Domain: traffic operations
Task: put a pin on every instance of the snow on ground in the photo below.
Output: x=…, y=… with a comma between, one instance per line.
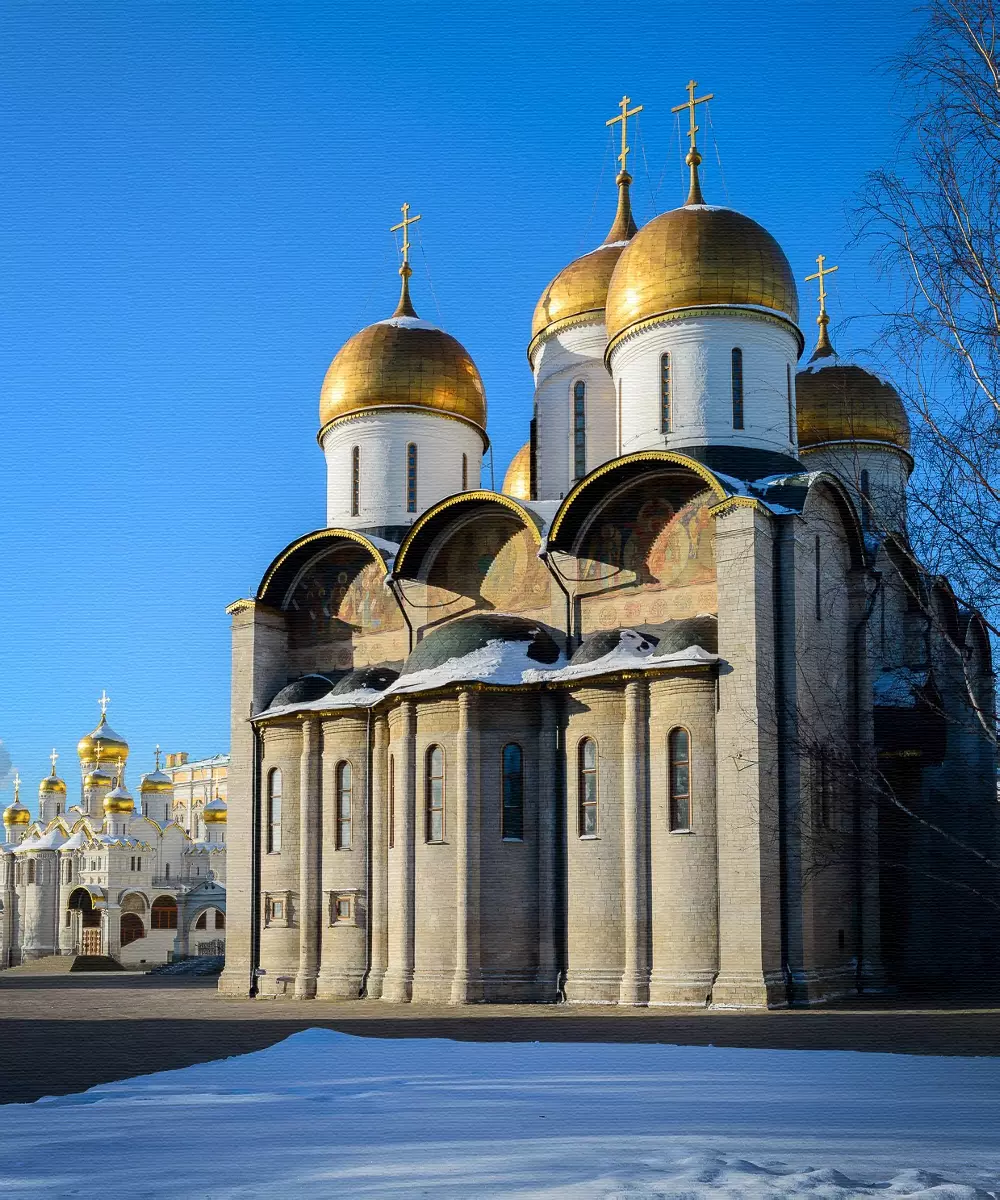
x=325, y=1114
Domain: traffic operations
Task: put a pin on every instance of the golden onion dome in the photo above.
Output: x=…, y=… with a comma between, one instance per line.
x=580, y=290
x=118, y=800
x=517, y=481
x=155, y=782
x=52, y=785
x=403, y=362
x=113, y=747
x=97, y=779
x=16, y=814
x=215, y=812
x=838, y=401
x=694, y=257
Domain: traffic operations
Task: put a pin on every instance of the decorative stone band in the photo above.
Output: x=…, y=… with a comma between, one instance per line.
x=874, y=443
x=765, y=315
x=594, y=316
x=359, y=414
x=734, y=502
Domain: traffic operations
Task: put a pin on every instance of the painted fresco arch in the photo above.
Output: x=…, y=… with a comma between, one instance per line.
x=294, y=561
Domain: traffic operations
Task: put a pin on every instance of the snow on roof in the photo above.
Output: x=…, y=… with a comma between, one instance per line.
x=898, y=687
x=52, y=840
x=625, y=657
x=829, y=361
x=408, y=323
x=82, y=837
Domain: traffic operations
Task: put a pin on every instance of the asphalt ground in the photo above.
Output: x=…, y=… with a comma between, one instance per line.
x=63, y=1033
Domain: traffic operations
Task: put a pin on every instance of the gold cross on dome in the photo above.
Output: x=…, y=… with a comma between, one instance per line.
x=97, y=754
x=623, y=116
x=104, y=701
x=17, y=785
x=821, y=275
x=52, y=759
x=405, y=224
x=690, y=104
x=157, y=757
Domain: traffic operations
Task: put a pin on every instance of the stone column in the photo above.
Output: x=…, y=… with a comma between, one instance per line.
x=546, y=802
x=310, y=837
x=634, y=988
x=379, y=902
x=467, y=984
x=398, y=984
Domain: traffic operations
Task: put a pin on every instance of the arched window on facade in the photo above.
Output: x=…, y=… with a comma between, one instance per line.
x=587, y=787
x=31, y=871
x=737, y=388
x=274, y=812
x=579, y=429
x=411, y=477
x=512, y=814
x=434, y=794
x=818, y=580
x=679, y=779
x=865, y=490
x=355, y=481
x=131, y=928
x=164, y=913
x=465, y=472
x=345, y=785
x=664, y=393
x=392, y=801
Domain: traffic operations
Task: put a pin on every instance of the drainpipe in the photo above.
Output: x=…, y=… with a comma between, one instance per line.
x=551, y=568
x=255, y=859
x=369, y=793
x=859, y=629
x=396, y=591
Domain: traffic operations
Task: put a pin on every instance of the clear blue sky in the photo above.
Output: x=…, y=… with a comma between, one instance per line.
x=195, y=205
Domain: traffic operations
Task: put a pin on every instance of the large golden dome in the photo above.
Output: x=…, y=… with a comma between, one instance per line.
x=696, y=256
x=580, y=290
x=113, y=747
x=517, y=481
x=839, y=401
x=403, y=363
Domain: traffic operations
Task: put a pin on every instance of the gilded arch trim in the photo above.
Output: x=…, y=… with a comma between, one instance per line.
x=479, y=495
x=320, y=535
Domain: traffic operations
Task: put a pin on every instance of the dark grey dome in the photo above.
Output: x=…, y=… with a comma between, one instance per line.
x=375, y=678
x=599, y=644
x=674, y=636
x=472, y=633
x=299, y=691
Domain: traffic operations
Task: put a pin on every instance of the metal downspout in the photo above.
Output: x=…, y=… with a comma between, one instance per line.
x=551, y=568
x=255, y=860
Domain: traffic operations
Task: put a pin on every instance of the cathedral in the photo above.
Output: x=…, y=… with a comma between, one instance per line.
x=675, y=718
x=102, y=880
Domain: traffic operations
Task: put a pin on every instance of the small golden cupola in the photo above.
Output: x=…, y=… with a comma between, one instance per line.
x=156, y=782
x=854, y=424
x=517, y=481
x=402, y=416
x=16, y=815
x=51, y=784
x=119, y=802
x=113, y=746
x=215, y=812
x=703, y=302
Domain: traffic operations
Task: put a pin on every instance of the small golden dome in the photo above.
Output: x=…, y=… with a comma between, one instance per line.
x=839, y=401
x=580, y=290
x=517, y=481
x=215, y=812
x=16, y=814
x=52, y=785
x=698, y=256
x=113, y=747
x=118, y=801
x=154, y=782
x=97, y=779
x=403, y=362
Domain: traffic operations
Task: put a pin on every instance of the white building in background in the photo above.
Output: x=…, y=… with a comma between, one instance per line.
x=103, y=877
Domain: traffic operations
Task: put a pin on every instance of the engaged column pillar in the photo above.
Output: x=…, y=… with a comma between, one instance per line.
x=467, y=984
x=309, y=851
x=378, y=904
x=398, y=984
x=634, y=988
x=546, y=802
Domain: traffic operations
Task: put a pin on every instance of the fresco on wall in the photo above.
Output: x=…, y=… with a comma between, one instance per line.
x=341, y=595
x=494, y=562
x=649, y=558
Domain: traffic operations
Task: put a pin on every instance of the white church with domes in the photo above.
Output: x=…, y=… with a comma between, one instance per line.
x=674, y=718
x=103, y=880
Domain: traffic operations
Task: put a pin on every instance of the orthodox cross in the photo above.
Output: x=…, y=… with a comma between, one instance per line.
x=821, y=275
x=690, y=104
x=52, y=759
x=104, y=701
x=17, y=786
x=119, y=778
x=97, y=754
x=157, y=757
x=405, y=224
x=626, y=112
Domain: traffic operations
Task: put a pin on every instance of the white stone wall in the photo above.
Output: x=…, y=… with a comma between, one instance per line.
x=382, y=436
x=572, y=354
x=888, y=472
x=700, y=352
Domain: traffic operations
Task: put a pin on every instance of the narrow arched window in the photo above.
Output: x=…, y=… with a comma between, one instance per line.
x=587, y=787
x=865, y=500
x=579, y=429
x=737, y=388
x=434, y=794
x=411, y=477
x=819, y=570
x=465, y=472
x=31, y=870
x=392, y=801
x=679, y=779
x=274, y=812
x=512, y=816
x=664, y=393
x=345, y=784
x=791, y=405
x=355, y=481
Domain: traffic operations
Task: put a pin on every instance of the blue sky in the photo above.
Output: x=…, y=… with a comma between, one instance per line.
x=195, y=209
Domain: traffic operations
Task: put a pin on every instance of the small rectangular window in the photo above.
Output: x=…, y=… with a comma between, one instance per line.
x=465, y=472
x=679, y=781
x=274, y=784
x=865, y=500
x=664, y=393
x=355, y=481
x=411, y=478
x=344, y=790
x=579, y=429
x=343, y=910
x=737, y=388
x=392, y=802
x=818, y=580
x=512, y=814
x=435, y=794
x=277, y=909
x=587, y=791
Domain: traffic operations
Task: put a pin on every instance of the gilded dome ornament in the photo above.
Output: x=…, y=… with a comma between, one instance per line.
x=114, y=746
x=52, y=785
x=579, y=292
x=403, y=362
x=693, y=158
x=16, y=814
x=216, y=811
x=157, y=781
x=119, y=802
x=517, y=481
x=840, y=401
